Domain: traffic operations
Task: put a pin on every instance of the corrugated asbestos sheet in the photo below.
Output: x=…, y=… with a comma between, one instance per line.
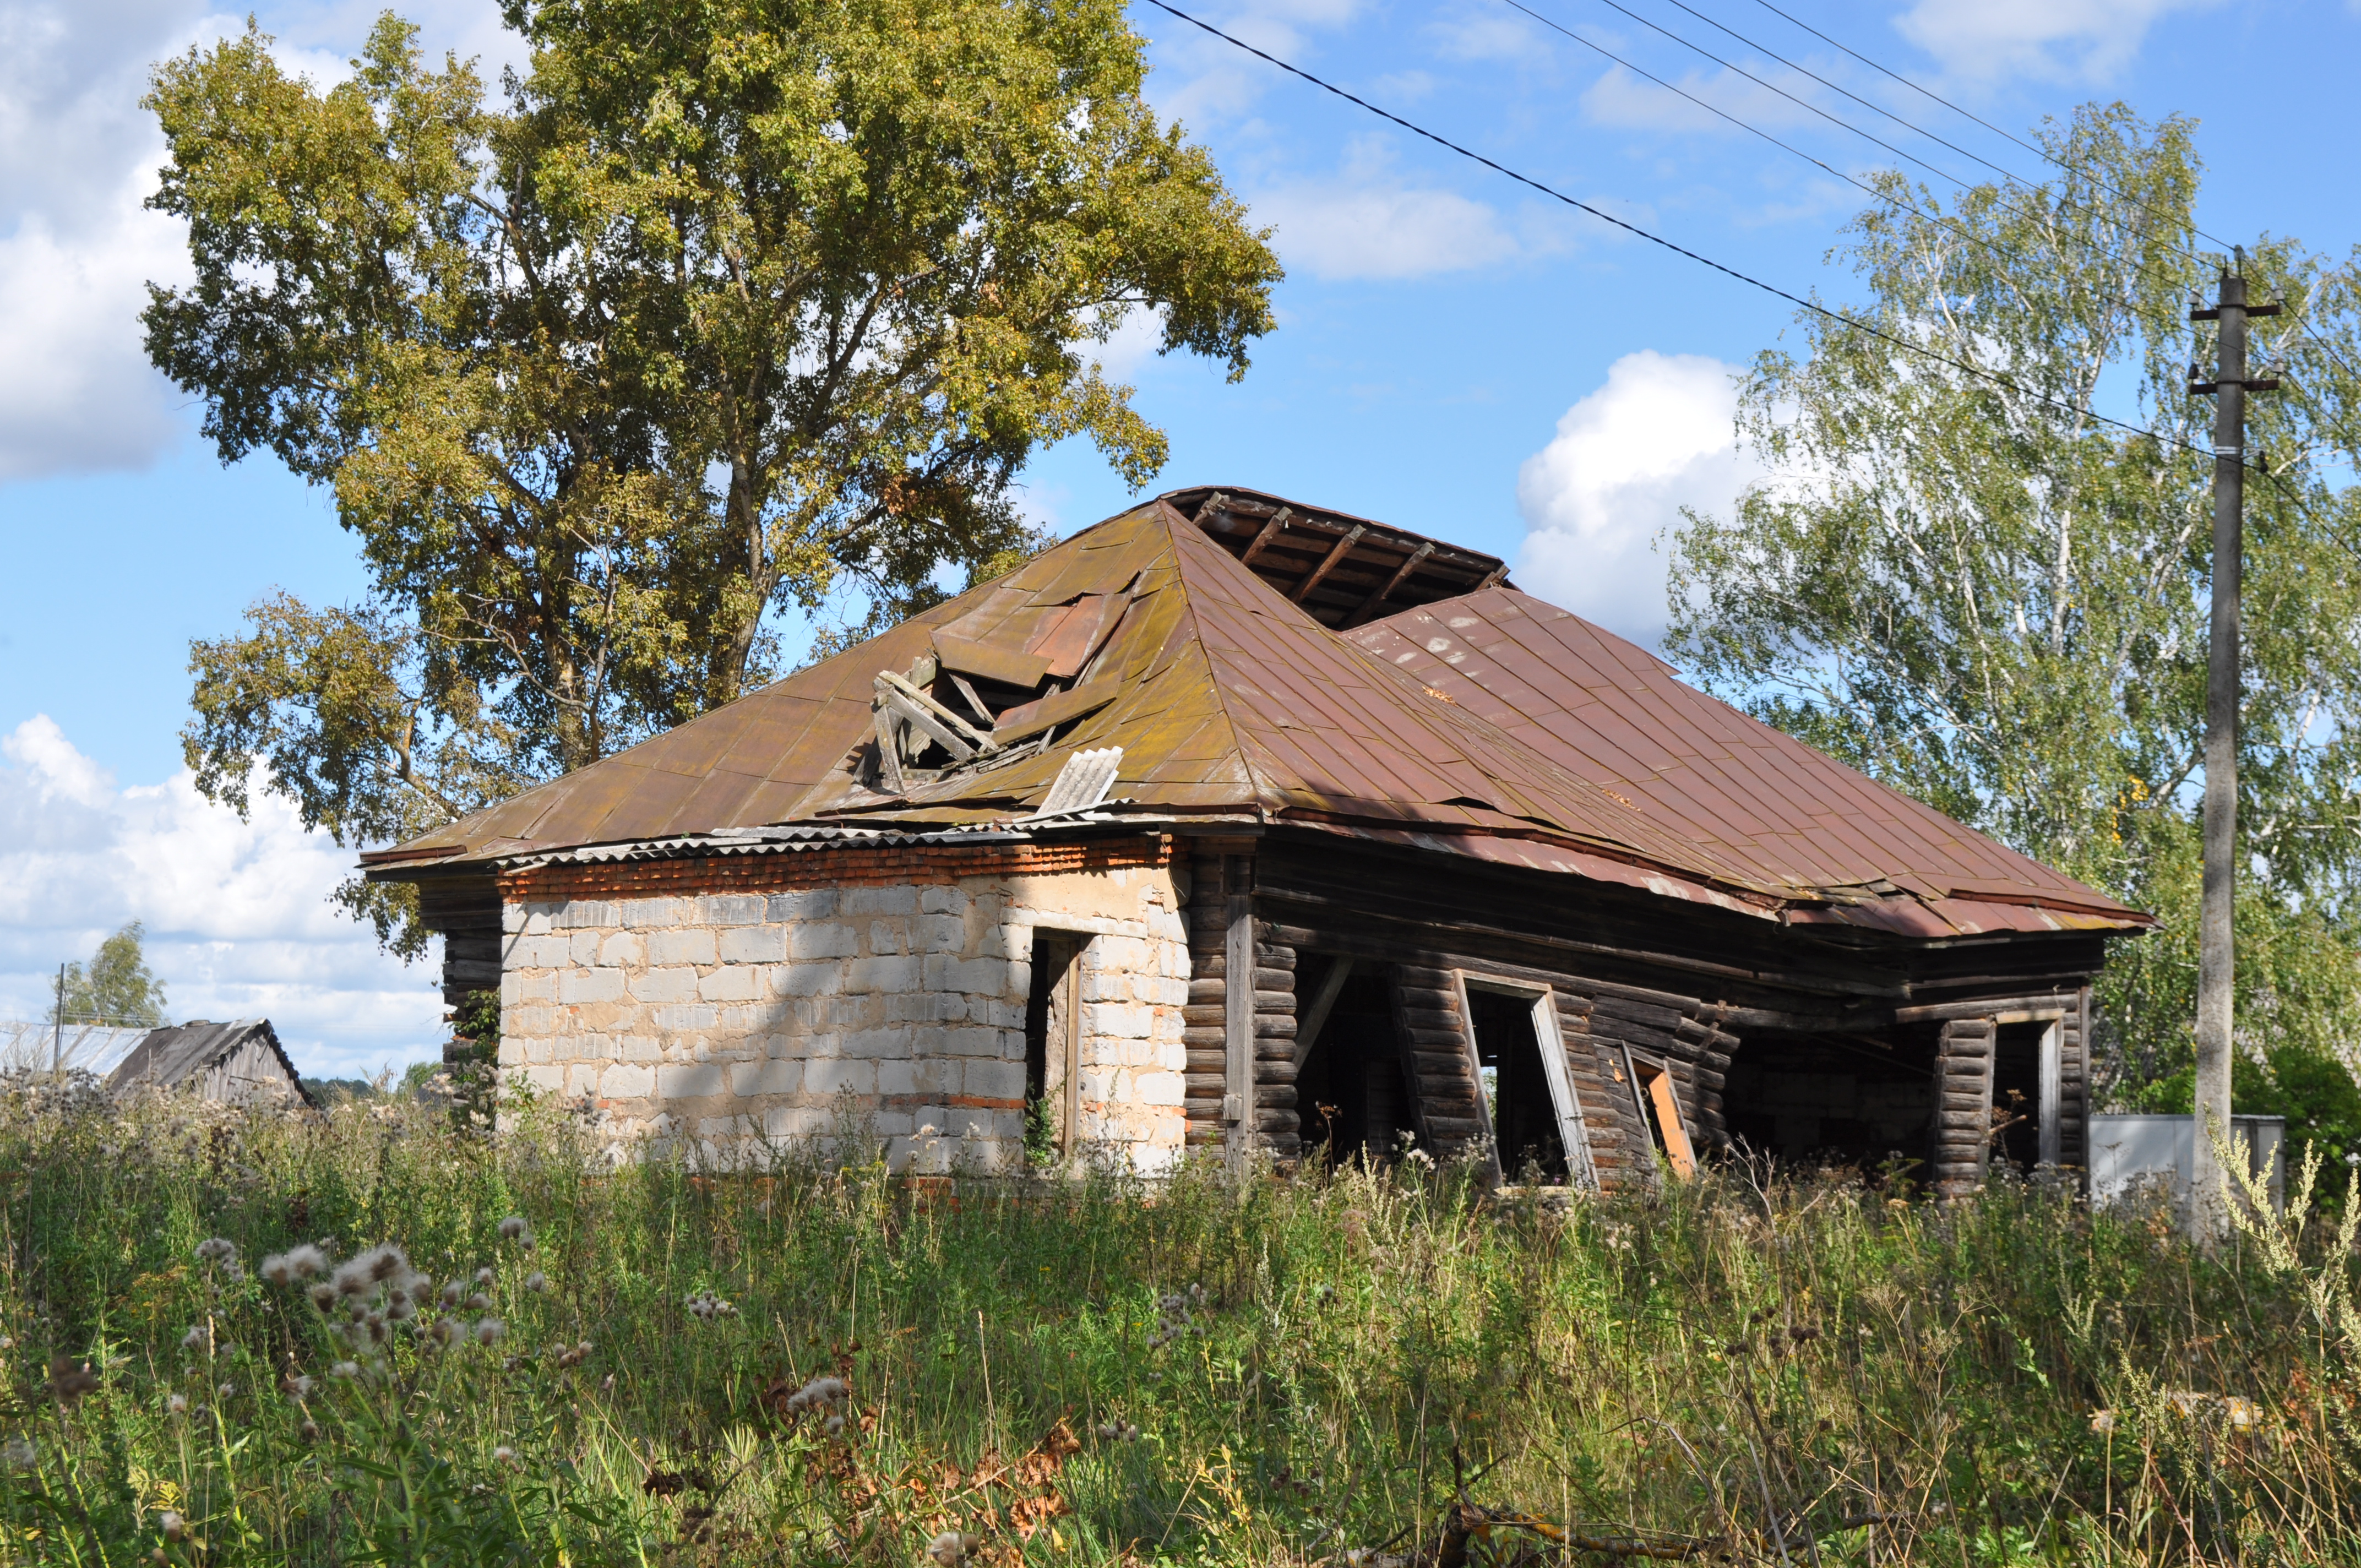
x=1786, y=815
x=1508, y=731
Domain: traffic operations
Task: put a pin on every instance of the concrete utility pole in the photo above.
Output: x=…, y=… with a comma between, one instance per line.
x=2208, y=1213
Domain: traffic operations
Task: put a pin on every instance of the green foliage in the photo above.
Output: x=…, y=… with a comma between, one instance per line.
x=728, y=310
x=117, y=989
x=1077, y=1368
x=1985, y=596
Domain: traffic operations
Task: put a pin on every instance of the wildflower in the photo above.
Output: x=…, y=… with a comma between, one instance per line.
x=176, y=1405
x=324, y=1295
x=2186, y=1401
x=1118, y=1431
x=833, y=1426
x=451, y=1294
x=514, y=1229
x=951, y=1549
x=818, y=1391
x=504, y=1455
x=297, y=1386
x=485, y=1276
x=490, y=1330
x=445, y=1330
x=70, y=1383
x=345, y=1369
x=707, y=1306
x=216, y=1249
x=309, y=1429
x=2242, y=1411
x=174, y=1527
x=536, y=1282
x=196, y=1338
x=227, y=1390
x=2103, y=1421
x=296, y=1263
x=479, y=1303
x=17, y=1454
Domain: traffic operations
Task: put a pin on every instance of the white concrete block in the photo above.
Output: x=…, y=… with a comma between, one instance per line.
x=881, y=974
x=823, y=939
x=830, y=1077
x=755, y=945
x=773, y=1077
x=623, y=1081
x=591, y=985
x=732, y=983
x=676, y=984
x=895, y=898
x=736, y=908
x=943, y=898
x=685, y=944
x=695, y=1081
x=623, y=950
x=812, y=903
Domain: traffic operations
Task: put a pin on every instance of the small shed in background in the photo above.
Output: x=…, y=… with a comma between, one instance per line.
x=236, y=1063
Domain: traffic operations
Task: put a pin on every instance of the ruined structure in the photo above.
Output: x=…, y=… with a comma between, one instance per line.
x=1231, y=824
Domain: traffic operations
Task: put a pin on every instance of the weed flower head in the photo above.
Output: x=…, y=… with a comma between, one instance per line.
x=536, y=1282
x=1118, y=1431
x=216, y=1249
x=514, y=1229
x=295, y=1264
x=2242, y=1412
x=479, y=1303
x=177, y=1405
x=18, y=1454
x=346, y=1369
x=818, y=1391
x=445, y=1330
x=324, y=1295
x=504, y=1455
x=297, y=1387
x=833, y=1426
x=197, y=1338
x=490, y=1330
x=706, y=1306
x=452, y=1293
x=950, y=1548
x=485, y=1276
x=227, y=1390
x=70, y=1383
x=375, y=1266
x=309, y=1429
x=174, y=1527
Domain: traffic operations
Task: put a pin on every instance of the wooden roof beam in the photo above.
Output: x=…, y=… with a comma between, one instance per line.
x=1401, y=573
x=1336, y=553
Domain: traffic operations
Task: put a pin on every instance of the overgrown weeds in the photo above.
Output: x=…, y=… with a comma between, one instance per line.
x=807, y=1364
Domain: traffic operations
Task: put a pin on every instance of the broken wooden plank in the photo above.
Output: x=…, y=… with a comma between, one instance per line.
x=918, y=699
x=1270, y=530
x=916, y=717
x=889, y=751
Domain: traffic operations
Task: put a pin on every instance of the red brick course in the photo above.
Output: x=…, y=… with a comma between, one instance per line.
x=853, y=864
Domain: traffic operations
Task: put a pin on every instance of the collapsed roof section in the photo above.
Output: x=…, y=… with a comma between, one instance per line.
x=1180, y=659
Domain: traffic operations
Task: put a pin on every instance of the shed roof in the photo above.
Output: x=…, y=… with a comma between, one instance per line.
x=1168, y=636
x=179, y=1052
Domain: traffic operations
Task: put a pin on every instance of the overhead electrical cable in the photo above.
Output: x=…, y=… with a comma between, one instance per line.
x=1962, y=230
x=1814, y=306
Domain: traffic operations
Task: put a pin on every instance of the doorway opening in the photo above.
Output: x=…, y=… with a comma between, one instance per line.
x=1351, y=1090
x=1053, y=1047
x=2017, y=1103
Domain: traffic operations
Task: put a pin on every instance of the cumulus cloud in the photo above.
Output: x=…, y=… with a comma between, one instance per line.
x=2060, y=40
x=1601, y=499
x=1369, y=221
x=1626, y=102
x=238, y=926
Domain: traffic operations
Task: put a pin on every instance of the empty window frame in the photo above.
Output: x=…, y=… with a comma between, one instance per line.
x=1518, y=1057
x=1053, y=1043
x=1659, y=1109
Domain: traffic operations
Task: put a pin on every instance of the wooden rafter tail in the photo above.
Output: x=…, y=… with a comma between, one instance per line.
x=931, y=716
x=1336, y=553
x=1270, y=530
x=1401, y=575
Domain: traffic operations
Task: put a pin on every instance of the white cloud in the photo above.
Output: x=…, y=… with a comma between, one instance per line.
x=1369, y=222
x=2058, y=40
x=1627, y=101
x=1656, y=437
x=238, y=920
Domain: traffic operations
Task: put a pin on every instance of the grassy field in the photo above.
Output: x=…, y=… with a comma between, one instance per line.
x=820, y=1364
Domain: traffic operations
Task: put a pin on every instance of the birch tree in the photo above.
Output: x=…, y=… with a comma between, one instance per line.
x=1960, y=576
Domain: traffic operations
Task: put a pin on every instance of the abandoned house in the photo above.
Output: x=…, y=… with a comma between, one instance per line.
x=1233, y=824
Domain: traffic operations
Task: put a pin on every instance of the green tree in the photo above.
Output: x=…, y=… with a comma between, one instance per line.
x=1977, y=590
x=115, y=989
x=731, y=309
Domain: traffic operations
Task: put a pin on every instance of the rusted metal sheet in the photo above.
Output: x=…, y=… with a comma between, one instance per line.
x=1486, y=724
x=1786, y=816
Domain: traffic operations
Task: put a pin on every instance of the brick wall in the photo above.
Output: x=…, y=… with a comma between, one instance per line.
x=729, y=1000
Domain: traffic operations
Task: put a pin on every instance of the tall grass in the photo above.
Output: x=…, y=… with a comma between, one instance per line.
x=1348, y=1368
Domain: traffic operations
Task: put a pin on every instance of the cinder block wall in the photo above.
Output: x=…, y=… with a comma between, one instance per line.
x=727, y=1015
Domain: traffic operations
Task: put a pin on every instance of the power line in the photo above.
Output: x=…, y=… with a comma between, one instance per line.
x=1728, y=271
x=1871, y=191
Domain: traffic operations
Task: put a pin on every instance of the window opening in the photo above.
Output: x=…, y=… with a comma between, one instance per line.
x=2024, y=1093
x=1653, y=1095
x=1528, y=1108
x=1053, y=1046
x=1351, y=1088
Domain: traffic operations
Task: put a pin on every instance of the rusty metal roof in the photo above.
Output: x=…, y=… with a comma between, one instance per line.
x=1165, y=633
x=1787, y=816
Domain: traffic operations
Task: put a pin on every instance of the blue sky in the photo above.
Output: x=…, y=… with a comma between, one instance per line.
x=1455, y=354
